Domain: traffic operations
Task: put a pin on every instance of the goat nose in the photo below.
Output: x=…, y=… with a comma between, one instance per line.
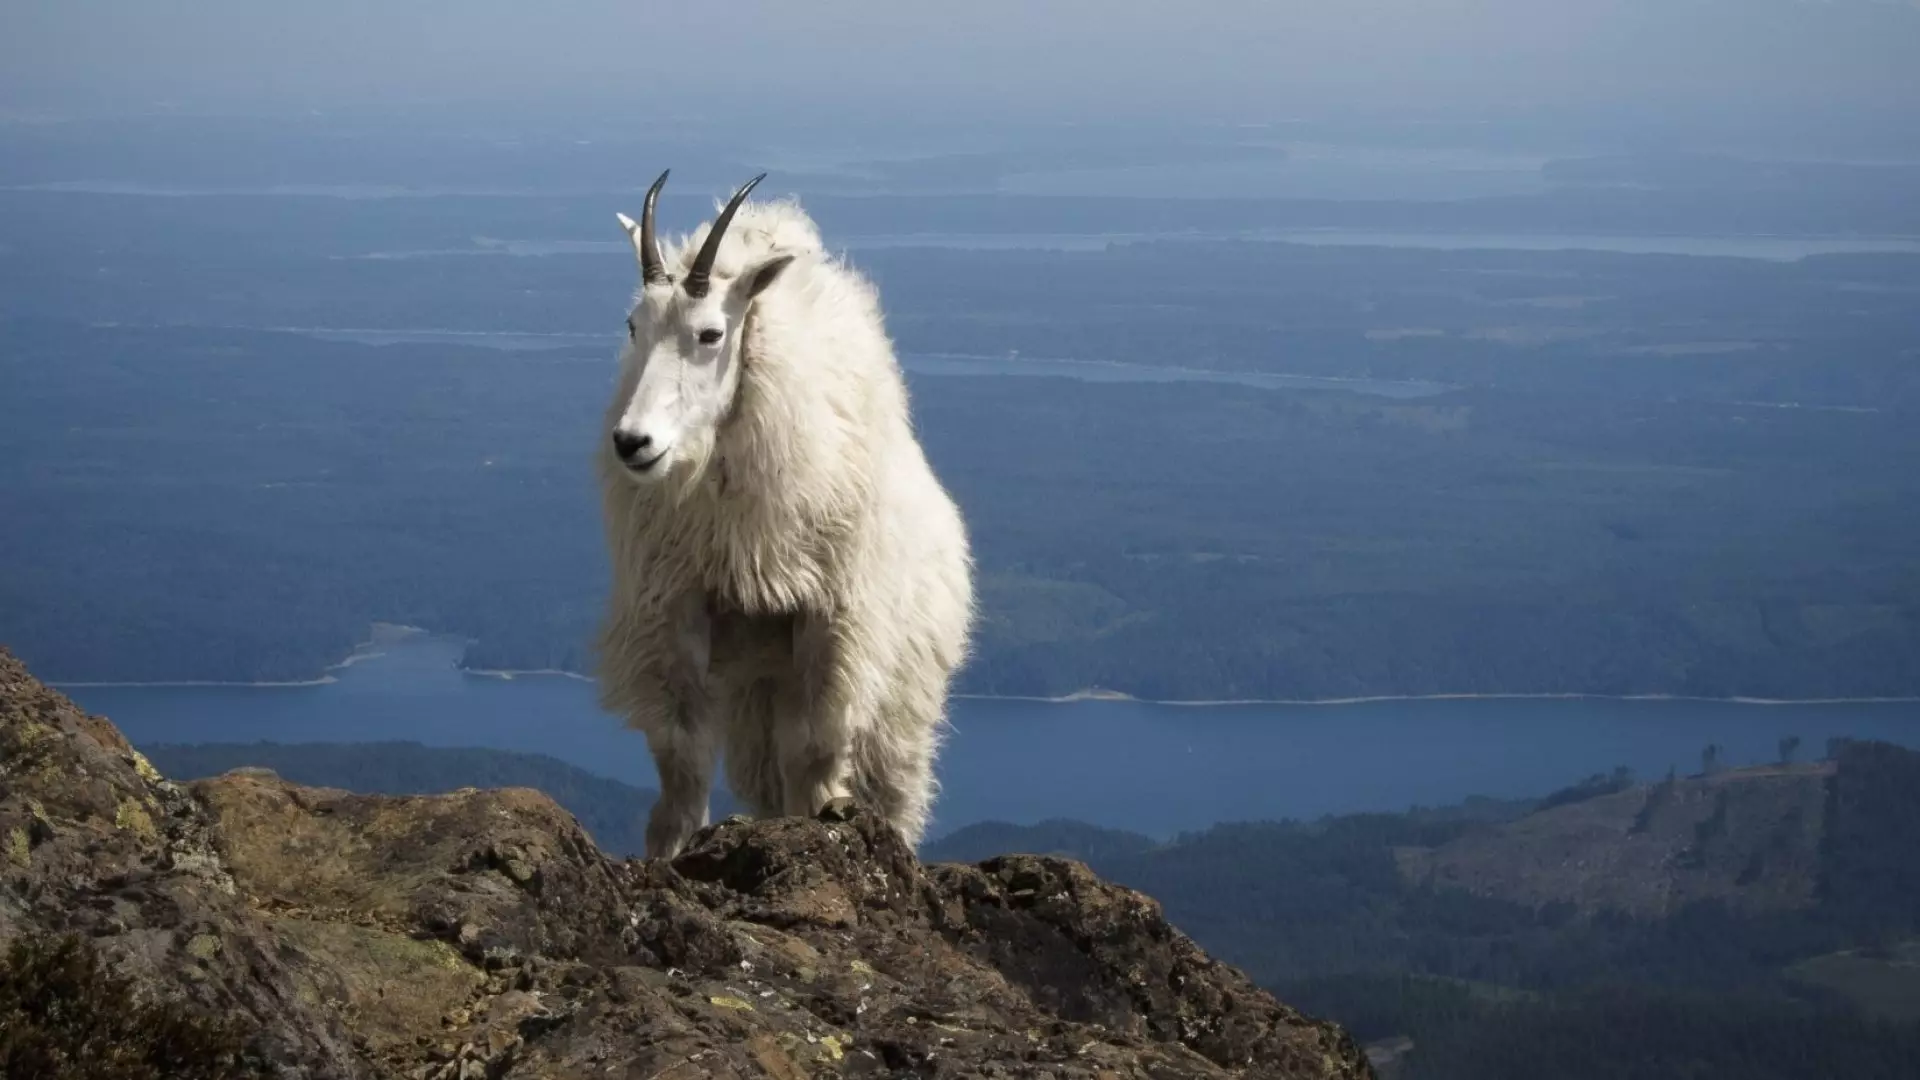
x=626, y=444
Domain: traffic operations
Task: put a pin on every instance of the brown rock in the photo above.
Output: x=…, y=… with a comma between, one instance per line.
x=481, y=934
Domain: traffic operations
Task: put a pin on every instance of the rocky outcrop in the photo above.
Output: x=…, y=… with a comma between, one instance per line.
x=482, y=934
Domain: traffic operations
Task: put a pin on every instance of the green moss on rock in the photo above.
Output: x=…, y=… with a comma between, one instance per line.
x=64, y=1015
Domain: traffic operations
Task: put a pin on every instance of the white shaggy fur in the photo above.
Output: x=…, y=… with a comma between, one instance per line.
x=791, y=583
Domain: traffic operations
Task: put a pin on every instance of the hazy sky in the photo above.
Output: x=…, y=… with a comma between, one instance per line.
x=1238, y=59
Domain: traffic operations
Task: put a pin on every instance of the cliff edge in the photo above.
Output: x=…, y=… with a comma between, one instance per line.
x=320, y=933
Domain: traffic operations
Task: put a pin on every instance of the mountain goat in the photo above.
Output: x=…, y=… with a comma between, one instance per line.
x=792, y=587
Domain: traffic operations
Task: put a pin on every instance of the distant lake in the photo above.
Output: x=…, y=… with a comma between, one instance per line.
x=1153, y=768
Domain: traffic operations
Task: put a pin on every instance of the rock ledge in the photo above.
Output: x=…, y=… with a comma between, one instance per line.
x=482, y=934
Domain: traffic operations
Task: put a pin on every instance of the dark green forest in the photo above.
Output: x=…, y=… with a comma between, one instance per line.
x=1617, y=1033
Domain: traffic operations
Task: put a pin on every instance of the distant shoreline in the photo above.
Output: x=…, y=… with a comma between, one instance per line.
x=510, y=674
x=366, y=650
x=1080, y=696
x=184, y=683
x=1094, y=694
x=383, y=633
x=1075, y=698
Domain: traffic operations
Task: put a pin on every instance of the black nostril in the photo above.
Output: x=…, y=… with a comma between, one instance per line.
x=627, y=444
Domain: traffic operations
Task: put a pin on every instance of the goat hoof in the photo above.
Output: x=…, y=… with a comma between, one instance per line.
x=840, y=808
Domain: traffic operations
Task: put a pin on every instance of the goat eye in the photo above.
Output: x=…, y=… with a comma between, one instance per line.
x=633, y=328
x=709, y=336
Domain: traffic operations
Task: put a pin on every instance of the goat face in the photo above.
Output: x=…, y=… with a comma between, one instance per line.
x=681, y=367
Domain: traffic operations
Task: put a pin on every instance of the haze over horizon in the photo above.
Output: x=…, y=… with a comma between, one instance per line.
x=1762, y=64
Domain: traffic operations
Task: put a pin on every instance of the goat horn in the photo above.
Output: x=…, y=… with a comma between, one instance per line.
x=697, y=277
x=651, y=269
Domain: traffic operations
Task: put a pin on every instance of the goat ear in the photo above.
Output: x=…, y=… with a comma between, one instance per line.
x=631, y=228
x=757, y=279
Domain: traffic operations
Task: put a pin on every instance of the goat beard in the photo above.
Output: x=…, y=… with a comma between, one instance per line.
x=694, y=469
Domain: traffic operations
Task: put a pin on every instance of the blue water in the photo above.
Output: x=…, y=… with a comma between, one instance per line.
x=1157, y=769
x=943, y=364
x=1758, y=246
x=600, y=346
